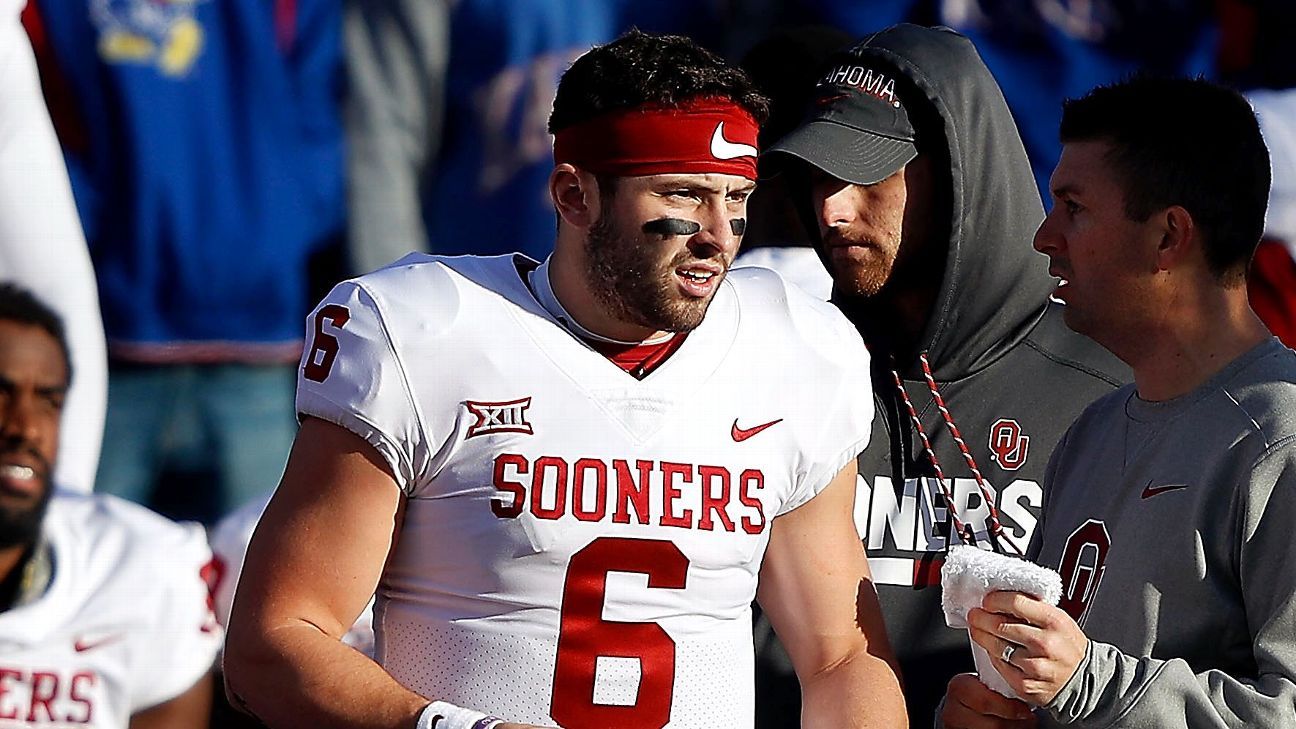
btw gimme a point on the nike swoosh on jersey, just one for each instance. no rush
(722, 148)
(1149, 491)
(83, 644)
(742, 434)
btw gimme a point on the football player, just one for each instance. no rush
(567, 479)
(105, 617)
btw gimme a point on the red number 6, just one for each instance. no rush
(325, 345)
(584, 635)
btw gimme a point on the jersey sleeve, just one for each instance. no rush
(842, 392)
(183, 638)
(351, 376)
(1111, 688)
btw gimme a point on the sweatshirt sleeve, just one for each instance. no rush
(1113, 689)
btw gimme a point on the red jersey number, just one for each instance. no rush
(324, 346)
(212, 574)
(1083, 561)
(584, 635)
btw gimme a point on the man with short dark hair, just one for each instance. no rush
(922, 202)
(565, 478)
(104, 606)
(1168, 505)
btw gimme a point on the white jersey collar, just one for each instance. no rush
(544, 294)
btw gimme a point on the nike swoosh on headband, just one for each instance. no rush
(722, 148)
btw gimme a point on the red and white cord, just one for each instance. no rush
(931, 457)
(965, 532)
(996, 528)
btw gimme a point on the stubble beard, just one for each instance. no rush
(633, 291)
(1082, 321)
(864, 276)
(21, 526)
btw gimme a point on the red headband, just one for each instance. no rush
(705, 135)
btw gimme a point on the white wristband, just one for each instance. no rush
(441, 715)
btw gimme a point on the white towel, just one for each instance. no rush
(969, 574)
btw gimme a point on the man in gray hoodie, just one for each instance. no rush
(915, 184)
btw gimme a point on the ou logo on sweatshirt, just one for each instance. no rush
(1008, 445)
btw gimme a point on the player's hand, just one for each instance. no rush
(1049, 644)
(969, 704)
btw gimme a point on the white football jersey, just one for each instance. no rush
(125, 623)
(579, 547)
(798, 264)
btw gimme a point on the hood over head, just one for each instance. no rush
(861, 129)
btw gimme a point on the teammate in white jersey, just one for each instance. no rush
(105, 616)
(565, 480)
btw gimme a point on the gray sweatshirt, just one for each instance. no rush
(1171, 525)
(1012, 374)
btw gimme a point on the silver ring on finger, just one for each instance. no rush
(1007, 654)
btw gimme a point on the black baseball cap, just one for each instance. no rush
(857, 128)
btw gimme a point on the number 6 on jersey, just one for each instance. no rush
(584, 635)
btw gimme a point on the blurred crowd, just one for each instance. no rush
(228, 161)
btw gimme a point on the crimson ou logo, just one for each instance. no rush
(1008, 446)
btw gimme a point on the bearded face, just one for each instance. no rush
(33, 384)
(882, 235)
(20, 519)
(637, 277)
